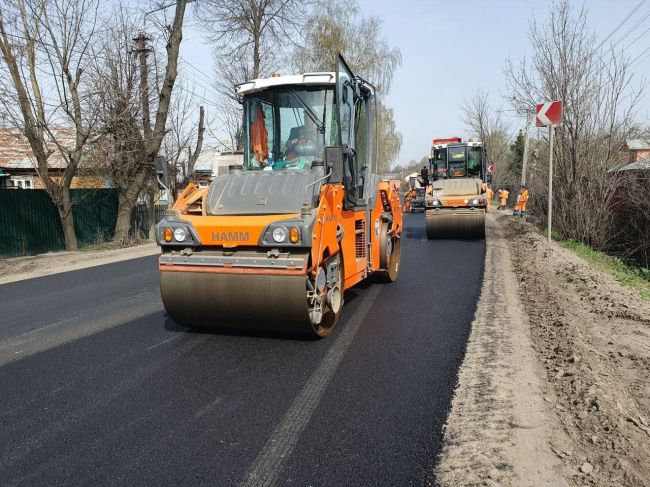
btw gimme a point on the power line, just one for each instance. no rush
(622, 22)
(634, 41)
(187, 90)
(630, 30)
(632, 65)
(197, 71)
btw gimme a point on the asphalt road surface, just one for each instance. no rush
(98, 387)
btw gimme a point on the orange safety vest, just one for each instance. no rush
(503, 197)
(260, 137)
(522, 200)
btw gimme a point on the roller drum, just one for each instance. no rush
(209, 300)
(460, 225)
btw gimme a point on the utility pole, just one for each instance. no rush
(143, 51)
(524, 163)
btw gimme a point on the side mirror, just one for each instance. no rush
(162, 170)
(333, 158)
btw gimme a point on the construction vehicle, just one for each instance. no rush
(417, 191)
(456, 203)
(273, 244)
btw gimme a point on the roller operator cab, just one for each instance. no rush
(455, 203)
(273, 244)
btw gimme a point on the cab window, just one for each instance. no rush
(474, 161)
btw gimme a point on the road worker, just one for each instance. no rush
(424, 174)
(260, 137)
(489, 194)
(503, 198)
(522, 200)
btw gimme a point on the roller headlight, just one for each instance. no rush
(475, 201)
(168, 234)
(180, 234)
(436, 202)
(279, 234)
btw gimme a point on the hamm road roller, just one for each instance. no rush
(456, 202)
(274, 243)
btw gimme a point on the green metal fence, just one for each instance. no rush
(30, 224)
(140, 219)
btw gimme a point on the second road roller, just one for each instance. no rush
(273, 244)
(455, 202)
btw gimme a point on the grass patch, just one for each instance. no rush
(637, 278)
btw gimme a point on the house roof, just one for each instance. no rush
(642, 164)
(638, 144)
(16, 153)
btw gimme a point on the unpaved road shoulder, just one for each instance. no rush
(592, 336)
(20, 268)
(500, 429)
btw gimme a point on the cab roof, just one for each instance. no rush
(307, 79)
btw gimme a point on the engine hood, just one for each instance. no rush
(262, 192)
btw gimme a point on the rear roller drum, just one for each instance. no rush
(390, 253)
(325, 297)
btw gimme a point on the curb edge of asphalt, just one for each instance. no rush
(94, 260)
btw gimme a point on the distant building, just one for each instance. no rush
(18, 166)
(224, 159)
(639, 160)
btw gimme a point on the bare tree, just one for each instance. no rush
(632, 193)
(486, 123)
(133, 92)
(255, 30)
(599, 114)
(251, 39)
(184, 139)
(45, 48)
(337, 27)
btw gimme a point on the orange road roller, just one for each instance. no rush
(456, 201)
(273, 244)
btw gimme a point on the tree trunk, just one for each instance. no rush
(67, 220)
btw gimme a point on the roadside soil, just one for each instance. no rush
(592, 336)
(500, 429)
(555, 385)
(19, 268)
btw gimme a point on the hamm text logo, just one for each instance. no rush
(229, 236)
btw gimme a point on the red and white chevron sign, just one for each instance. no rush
(549, 113)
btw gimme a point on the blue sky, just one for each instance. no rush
(449, 49)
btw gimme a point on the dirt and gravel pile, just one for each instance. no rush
(592, 336)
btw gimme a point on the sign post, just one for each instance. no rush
(549, 115)
(550, 182)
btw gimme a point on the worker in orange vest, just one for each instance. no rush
(522, 200)
(489, 194)
(260, 137)
(503, 198)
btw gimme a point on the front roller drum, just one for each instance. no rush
(461, 225)
(249, 301)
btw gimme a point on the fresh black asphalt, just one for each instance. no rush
(98, 387)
